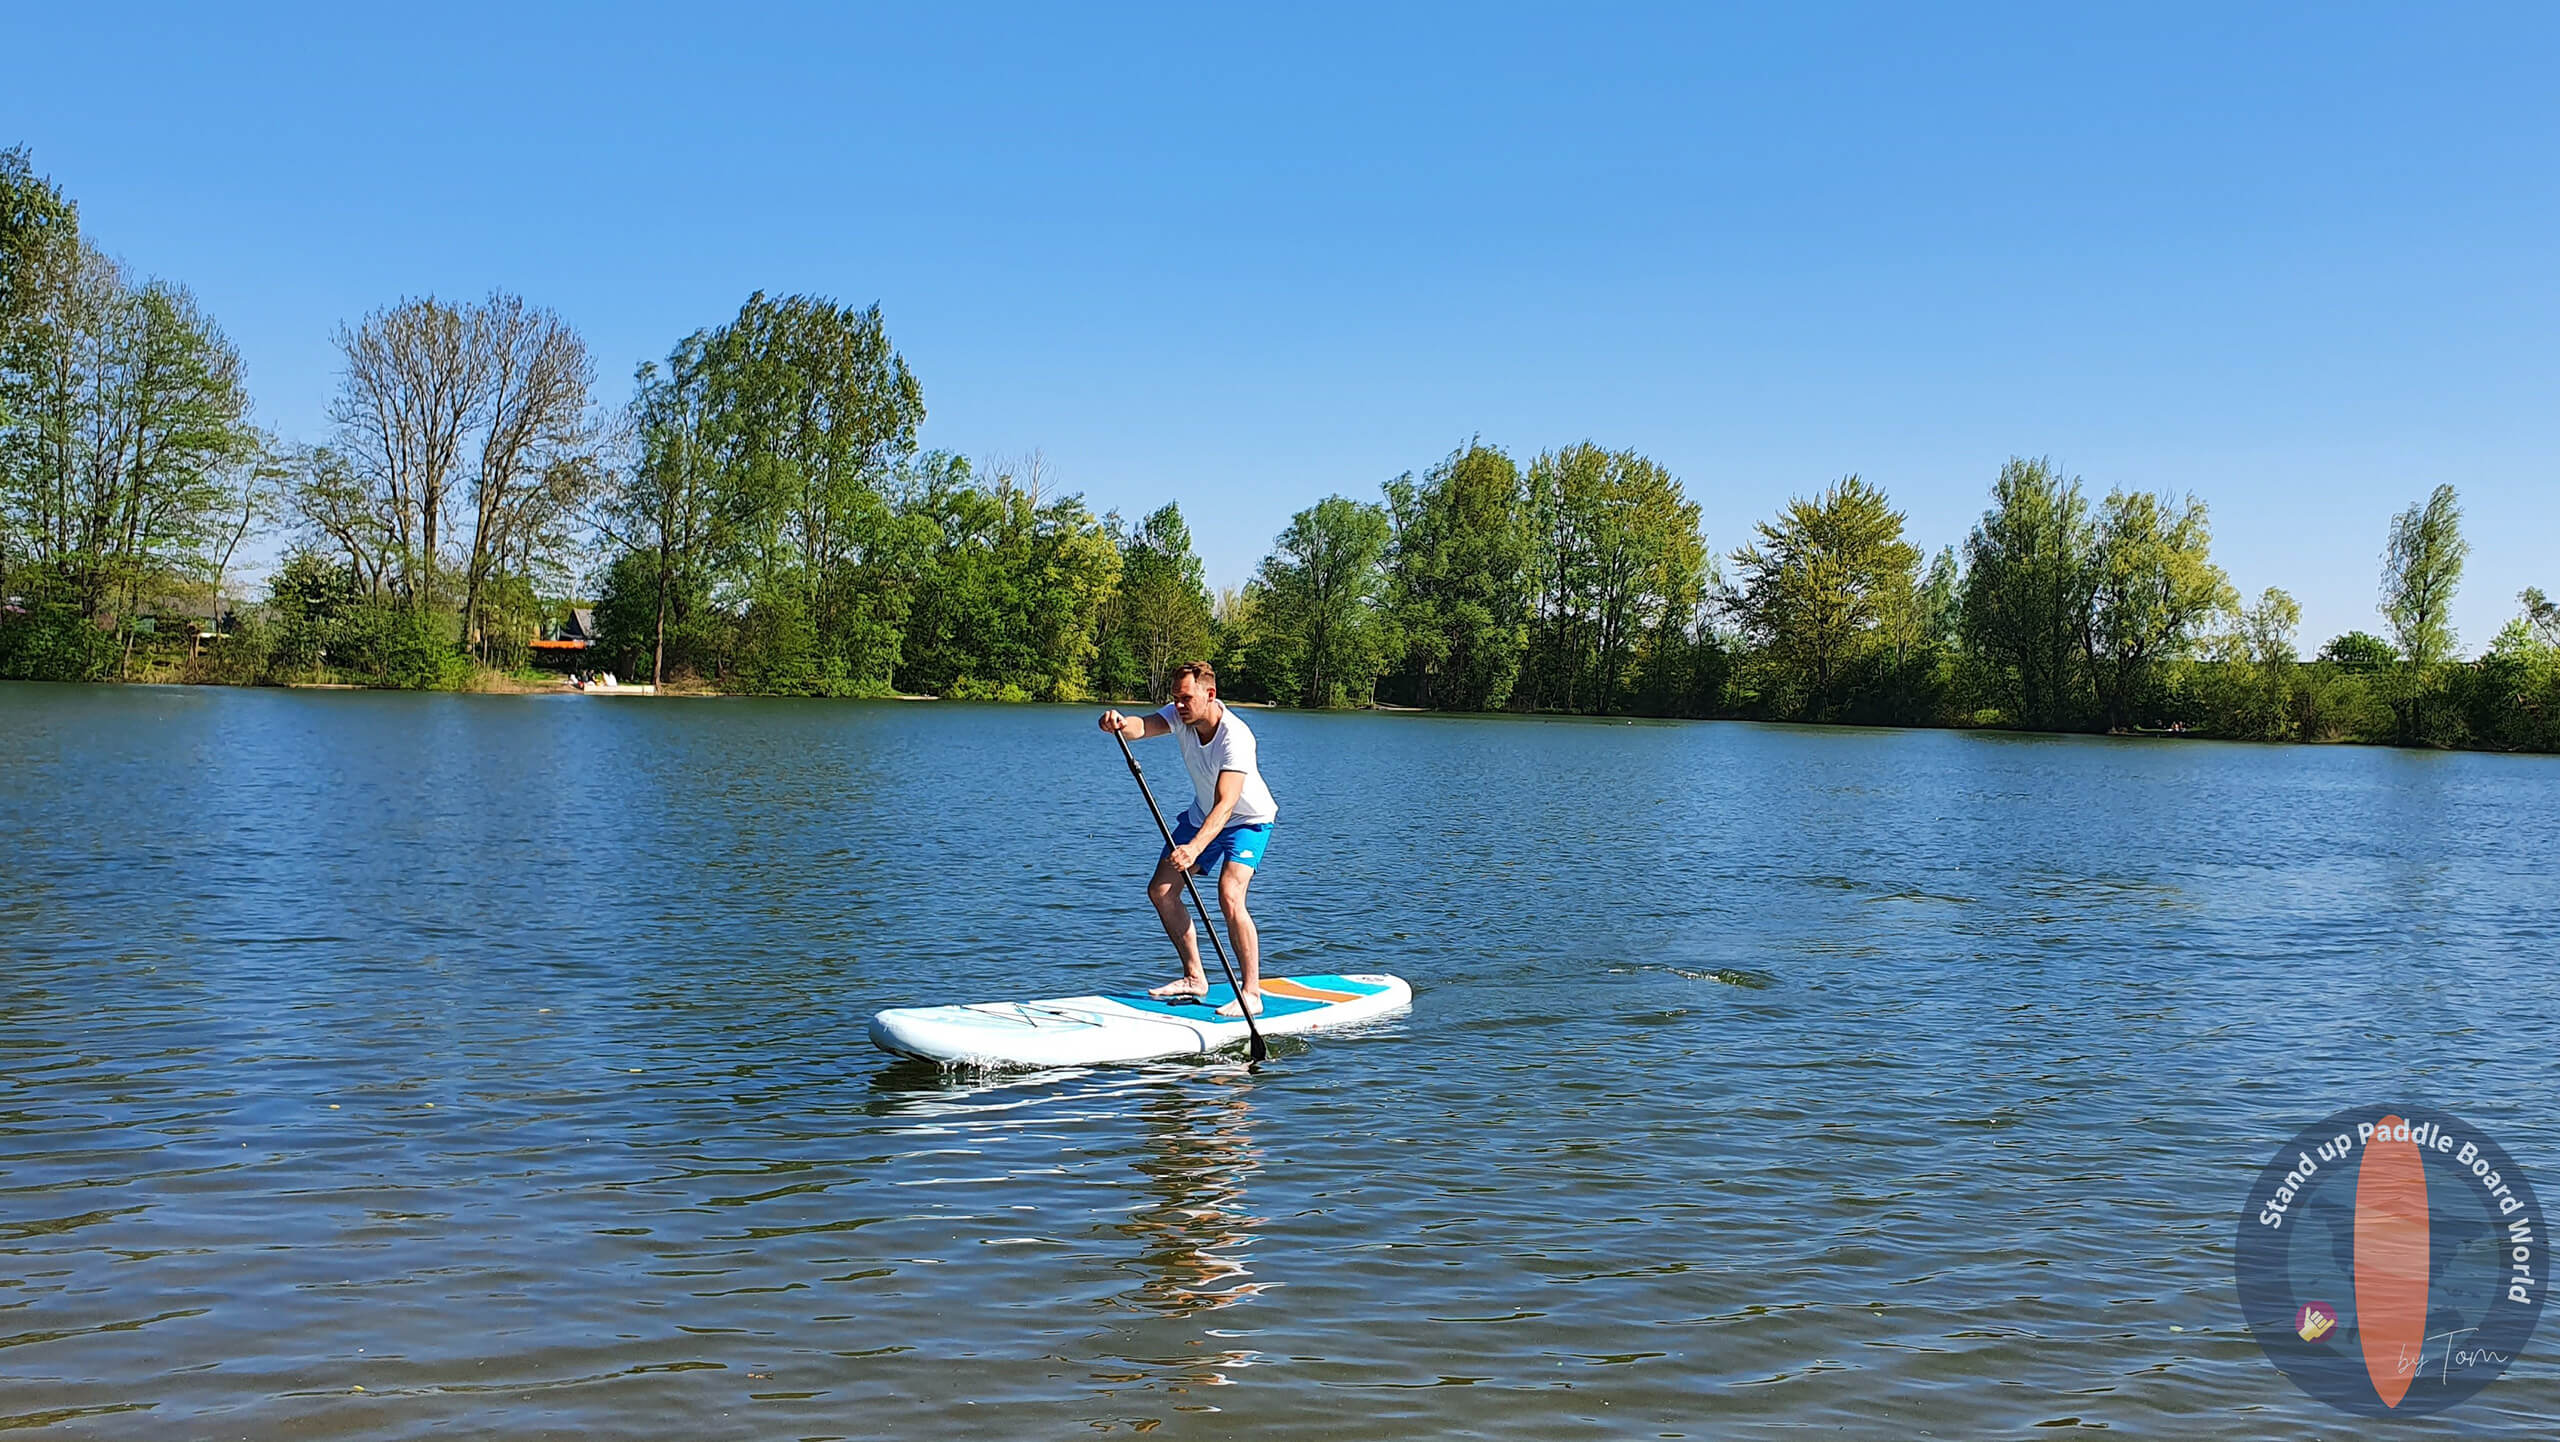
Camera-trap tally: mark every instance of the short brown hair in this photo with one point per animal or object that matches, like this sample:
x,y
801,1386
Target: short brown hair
x,y
1207,673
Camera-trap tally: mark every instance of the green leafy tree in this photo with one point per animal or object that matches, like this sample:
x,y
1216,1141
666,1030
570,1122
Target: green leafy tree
x,y
1900,677
2153,587
1011,590
1240,652
767,459
1458,579
2027,591
327,623
1160,615
1922,618
1822,584
1617,548
254,498
2359,651
128,416
2249,685
2513,692
307,595
2541,616
660,621
2421,570
123,429
1687,666
2536,626
2268,627
34,216
809,410
665,515
1321,632
1938,607
39,226
39,230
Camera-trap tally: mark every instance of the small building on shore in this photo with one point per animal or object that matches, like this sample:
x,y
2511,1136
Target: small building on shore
x,y
564,646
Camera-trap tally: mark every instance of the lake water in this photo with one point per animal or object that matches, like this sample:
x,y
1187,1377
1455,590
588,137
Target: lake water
x,y
403,1066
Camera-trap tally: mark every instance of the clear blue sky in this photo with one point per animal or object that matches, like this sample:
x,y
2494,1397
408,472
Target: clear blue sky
x,y
2301,262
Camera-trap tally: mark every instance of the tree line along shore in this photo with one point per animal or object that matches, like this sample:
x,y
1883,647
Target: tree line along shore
x,y
760,518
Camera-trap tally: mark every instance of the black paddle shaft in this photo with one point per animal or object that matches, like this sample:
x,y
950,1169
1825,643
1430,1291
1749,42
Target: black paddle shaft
x,y
1243,1007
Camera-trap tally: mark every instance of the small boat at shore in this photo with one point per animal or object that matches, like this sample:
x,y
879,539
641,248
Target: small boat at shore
x,y
605,683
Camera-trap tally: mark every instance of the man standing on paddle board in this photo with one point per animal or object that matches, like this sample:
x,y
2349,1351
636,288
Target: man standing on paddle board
x,y
1229,805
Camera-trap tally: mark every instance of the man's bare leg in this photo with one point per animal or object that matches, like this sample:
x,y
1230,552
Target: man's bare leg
x,y
1232,882
1165,890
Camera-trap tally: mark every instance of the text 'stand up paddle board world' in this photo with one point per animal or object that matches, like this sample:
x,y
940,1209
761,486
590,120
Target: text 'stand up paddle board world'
x,y
1133,1026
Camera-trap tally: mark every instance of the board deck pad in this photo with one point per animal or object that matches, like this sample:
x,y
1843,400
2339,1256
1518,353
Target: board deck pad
x,y
1281,996
1131,1025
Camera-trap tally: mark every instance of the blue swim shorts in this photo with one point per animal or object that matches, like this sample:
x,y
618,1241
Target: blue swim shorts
x,y
1243,845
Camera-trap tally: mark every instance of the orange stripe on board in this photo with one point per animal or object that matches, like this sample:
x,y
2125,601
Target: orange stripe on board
x,y
2391,1259
1283,986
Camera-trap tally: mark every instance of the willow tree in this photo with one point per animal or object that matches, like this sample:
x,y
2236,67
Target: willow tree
x,y
2152,589
2256,677
1817,586
2267,627
2421,570
2027,588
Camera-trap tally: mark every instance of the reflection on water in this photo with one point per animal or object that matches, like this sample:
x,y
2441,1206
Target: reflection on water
x,y
1193,1236
396,1067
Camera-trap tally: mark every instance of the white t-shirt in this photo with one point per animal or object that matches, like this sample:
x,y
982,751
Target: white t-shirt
x,y
1229,748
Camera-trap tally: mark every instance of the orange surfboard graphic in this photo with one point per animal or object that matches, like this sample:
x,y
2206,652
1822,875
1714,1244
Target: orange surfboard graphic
x,y
2391,1259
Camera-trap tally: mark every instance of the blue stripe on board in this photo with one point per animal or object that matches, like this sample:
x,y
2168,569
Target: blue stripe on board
x,y
1220,994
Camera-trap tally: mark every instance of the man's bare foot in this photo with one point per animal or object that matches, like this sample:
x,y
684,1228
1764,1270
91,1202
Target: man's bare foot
x,y
1181,987
1252,1000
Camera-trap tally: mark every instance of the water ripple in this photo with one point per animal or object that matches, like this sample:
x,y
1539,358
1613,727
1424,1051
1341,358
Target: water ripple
x,y
380,1066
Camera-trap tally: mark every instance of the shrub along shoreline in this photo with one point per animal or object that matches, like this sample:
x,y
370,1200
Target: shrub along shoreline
x,y
2331,704
762,518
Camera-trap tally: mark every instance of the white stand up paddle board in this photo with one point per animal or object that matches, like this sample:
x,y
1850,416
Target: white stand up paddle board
x,y
1133,1026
